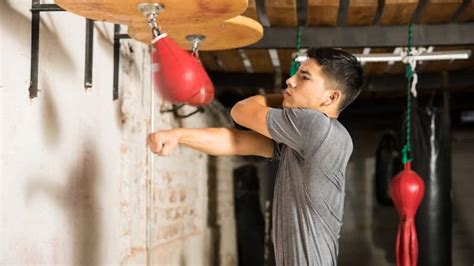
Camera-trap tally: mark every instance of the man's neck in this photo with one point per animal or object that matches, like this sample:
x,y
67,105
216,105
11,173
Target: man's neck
x,y
328,112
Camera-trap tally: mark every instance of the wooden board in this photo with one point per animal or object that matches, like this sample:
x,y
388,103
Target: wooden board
x,y
440,11
175,13
398,11
260,60
322,12
281,12
361,12
231,60
235,32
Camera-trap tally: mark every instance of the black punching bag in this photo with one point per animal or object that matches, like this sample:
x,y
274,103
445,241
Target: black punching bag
x,y
387,165
249,218
431,149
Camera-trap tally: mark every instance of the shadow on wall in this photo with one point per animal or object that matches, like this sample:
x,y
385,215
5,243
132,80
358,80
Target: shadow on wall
x,y
78,199
49,119
18,25
212,218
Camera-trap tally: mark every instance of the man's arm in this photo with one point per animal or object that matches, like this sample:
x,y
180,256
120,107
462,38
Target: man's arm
x,y
252,112
213,141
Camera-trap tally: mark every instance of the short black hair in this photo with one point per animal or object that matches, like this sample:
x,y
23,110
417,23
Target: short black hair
x,y
342,69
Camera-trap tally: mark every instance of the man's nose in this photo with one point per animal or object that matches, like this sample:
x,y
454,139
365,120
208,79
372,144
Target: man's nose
x,y
291,82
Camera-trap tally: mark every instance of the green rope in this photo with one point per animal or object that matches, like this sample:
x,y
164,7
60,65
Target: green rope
x,y
294,63
406,151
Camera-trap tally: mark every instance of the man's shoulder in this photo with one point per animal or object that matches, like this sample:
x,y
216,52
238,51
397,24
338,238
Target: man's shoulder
x,y
340,135
308,116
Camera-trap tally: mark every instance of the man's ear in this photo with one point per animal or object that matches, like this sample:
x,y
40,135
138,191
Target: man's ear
x,y
333,97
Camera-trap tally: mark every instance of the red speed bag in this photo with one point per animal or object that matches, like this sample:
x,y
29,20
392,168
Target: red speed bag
x,y
179,77
407,190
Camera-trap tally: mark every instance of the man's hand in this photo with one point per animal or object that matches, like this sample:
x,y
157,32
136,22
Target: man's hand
x,y
162,142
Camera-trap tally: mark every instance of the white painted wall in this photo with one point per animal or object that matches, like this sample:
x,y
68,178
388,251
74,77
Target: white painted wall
x,y
74,165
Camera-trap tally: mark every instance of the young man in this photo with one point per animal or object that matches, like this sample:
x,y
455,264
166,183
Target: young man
x,y
312,147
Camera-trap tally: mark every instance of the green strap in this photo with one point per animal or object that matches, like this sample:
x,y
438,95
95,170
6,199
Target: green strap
x,y
294,63
406,151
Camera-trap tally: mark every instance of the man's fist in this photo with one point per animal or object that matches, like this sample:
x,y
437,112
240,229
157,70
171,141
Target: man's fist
x,y
162,142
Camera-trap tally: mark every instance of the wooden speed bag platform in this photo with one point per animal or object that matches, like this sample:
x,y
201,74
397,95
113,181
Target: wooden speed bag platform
x,y
233,33
175,12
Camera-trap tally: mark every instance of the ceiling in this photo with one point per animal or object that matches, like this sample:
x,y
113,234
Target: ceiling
x,y
357,26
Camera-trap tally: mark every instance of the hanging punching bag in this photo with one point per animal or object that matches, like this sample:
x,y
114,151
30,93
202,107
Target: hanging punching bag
x,y
432,146
179,76
407,190
248,216
387,165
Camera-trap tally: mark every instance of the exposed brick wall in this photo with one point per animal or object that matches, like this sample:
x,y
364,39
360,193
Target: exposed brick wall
x,y
192,214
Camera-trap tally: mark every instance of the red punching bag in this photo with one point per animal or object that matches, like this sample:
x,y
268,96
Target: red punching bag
x,y
179,77
407,190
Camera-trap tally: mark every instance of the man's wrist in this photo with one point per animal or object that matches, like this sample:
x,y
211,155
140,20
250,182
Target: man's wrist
x,y
179,134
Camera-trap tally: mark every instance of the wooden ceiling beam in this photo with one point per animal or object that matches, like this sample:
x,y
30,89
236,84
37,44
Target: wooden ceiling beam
x,y
398,12
361,12
302,12
466,8
420,9
367,36
281,12
440,11
322,12
260,60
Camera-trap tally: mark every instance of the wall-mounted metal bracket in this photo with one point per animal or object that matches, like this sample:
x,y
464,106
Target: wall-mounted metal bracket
x,y
89,53
36,9
117,37
116,62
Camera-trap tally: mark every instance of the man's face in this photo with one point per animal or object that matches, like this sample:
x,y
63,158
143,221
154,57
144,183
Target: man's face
x,y
307,88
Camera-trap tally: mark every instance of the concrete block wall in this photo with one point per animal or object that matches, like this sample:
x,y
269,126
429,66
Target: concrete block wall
x,y
74,165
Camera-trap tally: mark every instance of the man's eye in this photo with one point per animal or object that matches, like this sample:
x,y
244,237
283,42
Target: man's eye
x,y
305,78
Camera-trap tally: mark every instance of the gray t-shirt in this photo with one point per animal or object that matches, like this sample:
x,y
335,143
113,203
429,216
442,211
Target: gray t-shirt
x,y
308,200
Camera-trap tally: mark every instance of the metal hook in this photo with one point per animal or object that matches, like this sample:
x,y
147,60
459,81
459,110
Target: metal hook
x,y
195,39
151,11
